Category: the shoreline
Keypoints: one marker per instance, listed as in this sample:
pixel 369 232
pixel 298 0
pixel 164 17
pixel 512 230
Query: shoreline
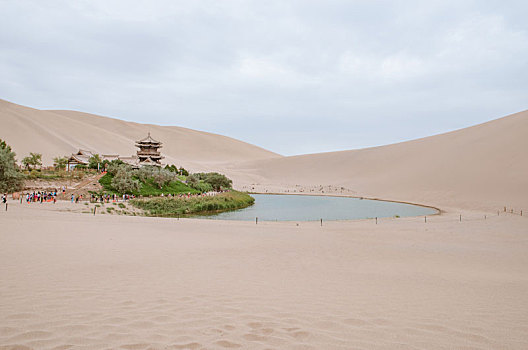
pixel 439 211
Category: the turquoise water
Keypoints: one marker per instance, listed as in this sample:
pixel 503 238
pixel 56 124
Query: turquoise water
pixel 270 207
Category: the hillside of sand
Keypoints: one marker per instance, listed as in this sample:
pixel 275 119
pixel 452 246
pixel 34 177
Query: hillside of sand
pixel 481 167
pixel 72 280
pixel 55 133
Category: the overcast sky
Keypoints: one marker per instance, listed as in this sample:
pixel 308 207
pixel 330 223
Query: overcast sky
pixel 290 76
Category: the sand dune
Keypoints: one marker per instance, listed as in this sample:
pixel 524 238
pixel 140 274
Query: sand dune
pixel 54 133
pixel 481 167
pixel 72 280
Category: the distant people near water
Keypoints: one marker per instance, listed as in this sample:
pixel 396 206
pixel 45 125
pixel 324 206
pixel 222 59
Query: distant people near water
pixel 39 196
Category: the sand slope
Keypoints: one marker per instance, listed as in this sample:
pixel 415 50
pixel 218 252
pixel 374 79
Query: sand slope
pixel 77 281
pixel 484 166
pixel 481 167
pixel 54 133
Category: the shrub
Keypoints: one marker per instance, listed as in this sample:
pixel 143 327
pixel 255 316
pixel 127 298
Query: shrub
pixel 124 183
pixel 145 172
pixel 116 165
pixel 10 177
pixel 195 205
pixel 159 176
pixel 216 180
pixel 162 177
pixel 202 186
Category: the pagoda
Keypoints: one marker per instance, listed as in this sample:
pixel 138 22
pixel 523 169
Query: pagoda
pixel 148 153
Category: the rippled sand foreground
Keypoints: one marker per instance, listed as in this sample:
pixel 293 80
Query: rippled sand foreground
pixel 71 280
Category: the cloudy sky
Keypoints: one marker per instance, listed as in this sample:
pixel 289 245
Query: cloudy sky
pixel 290 76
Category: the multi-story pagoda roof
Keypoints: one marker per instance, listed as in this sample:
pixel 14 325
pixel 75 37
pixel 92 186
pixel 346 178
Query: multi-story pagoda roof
pixel 148 142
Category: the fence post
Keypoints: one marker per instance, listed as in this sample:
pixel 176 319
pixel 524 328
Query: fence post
pixel 376 220
pixel 256 220
pixel 460 217
pixel 321 222
pixel 95 208
pixel 425 217
pixel 521 212
pixel 6 206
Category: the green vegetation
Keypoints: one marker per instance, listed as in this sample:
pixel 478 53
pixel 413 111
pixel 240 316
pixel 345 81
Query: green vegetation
pixel 123 182
pixel 94 162
pixel 33 160
pixel 146 181
pixel 10 177
pixel 60 163
pixel 213 181
pixel 175 206
pixel 173 168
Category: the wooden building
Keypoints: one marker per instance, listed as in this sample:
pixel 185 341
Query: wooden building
pixel 148 153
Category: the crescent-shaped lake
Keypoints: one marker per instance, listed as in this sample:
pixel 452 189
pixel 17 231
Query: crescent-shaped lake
pixel 273 207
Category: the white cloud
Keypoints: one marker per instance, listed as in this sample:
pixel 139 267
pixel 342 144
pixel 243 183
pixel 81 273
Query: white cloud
pixel 331 73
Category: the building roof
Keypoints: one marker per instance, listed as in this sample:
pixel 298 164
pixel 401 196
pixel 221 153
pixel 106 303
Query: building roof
pixel 148 140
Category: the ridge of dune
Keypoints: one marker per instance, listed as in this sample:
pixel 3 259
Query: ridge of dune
pixel 60 132
pixel 481 167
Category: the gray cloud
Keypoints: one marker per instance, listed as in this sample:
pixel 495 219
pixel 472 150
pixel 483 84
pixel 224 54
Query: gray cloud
pixel 293 77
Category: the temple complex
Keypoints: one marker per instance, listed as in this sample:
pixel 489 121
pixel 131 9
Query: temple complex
pixel 148 154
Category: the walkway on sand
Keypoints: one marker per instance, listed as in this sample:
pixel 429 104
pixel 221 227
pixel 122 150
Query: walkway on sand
pixel 91 183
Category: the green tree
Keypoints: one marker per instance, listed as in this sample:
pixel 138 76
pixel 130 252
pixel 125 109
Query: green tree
pixel 60 163
pixel 116 165
pixel 10 177
pixel 183 172
pixel 94 162
pixel 162 177
pixel 123 182
pixel 218 181
pixel 33 160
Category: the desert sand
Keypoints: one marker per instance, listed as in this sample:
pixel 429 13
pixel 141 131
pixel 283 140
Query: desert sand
pixel 74 280
pixel 57 133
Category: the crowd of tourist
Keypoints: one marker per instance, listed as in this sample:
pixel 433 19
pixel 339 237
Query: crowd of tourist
pixel 107 198
pixel 51 196
pixel 39 197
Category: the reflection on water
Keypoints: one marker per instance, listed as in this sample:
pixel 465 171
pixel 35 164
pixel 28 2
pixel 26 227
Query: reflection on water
pixel 270 207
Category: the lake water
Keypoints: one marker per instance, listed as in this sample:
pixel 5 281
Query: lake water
pixel 270 207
